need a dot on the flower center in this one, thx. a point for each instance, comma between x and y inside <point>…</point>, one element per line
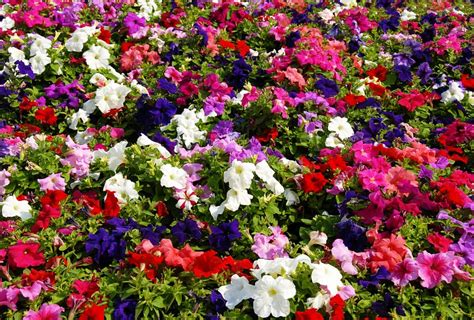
<point>272,292</point>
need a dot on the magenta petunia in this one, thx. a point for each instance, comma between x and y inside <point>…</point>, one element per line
<point>434,268</point>
<point>404,272</point>
<point>46,312</point>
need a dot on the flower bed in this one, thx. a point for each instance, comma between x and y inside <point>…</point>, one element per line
<point>201,160</point>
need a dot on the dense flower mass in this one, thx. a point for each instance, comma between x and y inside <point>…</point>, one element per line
<point>204,159</point>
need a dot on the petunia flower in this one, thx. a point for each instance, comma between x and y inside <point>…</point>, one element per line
<point>404,272</point>
<point>46,311</point>
<point>434,268</point>
<point>238,290</point>
<point>12,207</point>
<point>52,182</point>
<point>271,296</point>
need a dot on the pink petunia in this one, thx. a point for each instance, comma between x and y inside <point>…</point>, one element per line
<point>434,268</point>
<point>404,272</point>
<point>52,182</point>
<point>344,256</point>
<point>25,255</point>
<point>47,311</point>
<point>9,297</point>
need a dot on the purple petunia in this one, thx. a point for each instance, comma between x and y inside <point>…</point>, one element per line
<point>185,230</point>
<point>222,235</point>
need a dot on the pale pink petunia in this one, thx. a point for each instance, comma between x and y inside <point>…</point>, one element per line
<point>344,256</point>
<point>52,182</point>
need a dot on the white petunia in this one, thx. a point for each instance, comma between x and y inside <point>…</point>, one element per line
<point>279,266</point>
<point>271,296</point>
<point>143,141</point>
<point>115,156</point>
<point>40,44</point>
<point>39,62</point>
<point>77,40</point>
<point>98,79</point>
<point>97,57</point>
<point>112,96</point>
<point>327,276</point>
<point>332,141</point>
<point>12,207</point>
<point>15,55</point>
<point>187,130</point>
<point>341,127</point>
<point>291,197</point>
<point>236,198</point>
<point>349,3</point>
<point>238,290</point>
<point>407,15</point>
<point>327,16</point>
<point>454,93</point>
<point>173,177</point>
<point>318,238</point>
<point>319,301</point>
<point>264,172</point>
<point>239,175</point>
<point>124,189</point>
<point>75,117</point>
<point>216,210</point>
<point>112,182</point>
<point>7,23</point>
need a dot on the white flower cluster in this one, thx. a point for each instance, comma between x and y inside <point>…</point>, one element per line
<point>123,188</point>
<point>239,177</point>
<point>148,8</point>
<point>79,37</point>
<point>39,57</point>
<point>39,53</point>
<point>340,130</point>
<point>188,131</point>
<point>274,286</point>
<point>110,95</point>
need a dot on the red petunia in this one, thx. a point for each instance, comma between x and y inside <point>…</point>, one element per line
<point>304,161</point>
<point>38,275</point>
<point>93,312</point>
<point>111,206</point>
<point>161,209</point>
<point>376,89</point>
<point>27,105</point>
<point>337,304</point>
<point>226,44</point>
<point>53,198</point>
<point>207,264</point>
<point>243,48</point>
<point>269,134</point>
<point>440,243</point>
<point>313,182</point>
<point>25,255</point>
<point>105,35</point>
<point>380,72</point>
<point>352,99</point>
<point>44,217</point>
<point>310,314</point>
<point>467,82</point>
<point>46,116</point>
